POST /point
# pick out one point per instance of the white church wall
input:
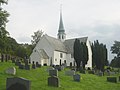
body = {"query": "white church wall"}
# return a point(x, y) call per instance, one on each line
point(35, 56)
point(43, 44)
point(59, 56)
point(89, 63)
point(70, 60)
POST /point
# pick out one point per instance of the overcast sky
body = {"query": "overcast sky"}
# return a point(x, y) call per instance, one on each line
point(97, 19)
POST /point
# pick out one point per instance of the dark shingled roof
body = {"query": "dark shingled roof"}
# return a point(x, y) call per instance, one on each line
point(56, 43)
point(66, 46)
point(70, 43)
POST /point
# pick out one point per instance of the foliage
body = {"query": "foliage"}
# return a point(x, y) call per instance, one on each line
point(115, 62)
point(85, 54)
point(8, 45)
point(39, 76)
point(3, 20)
point(80, 53)
point(77, 53)
point(116, 50)
point(36, 37)
point(99, 55)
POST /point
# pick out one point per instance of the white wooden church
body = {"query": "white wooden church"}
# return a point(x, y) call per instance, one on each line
point(58, 51)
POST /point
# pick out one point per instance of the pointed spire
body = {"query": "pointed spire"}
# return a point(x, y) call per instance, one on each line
point(61, 26)
point(61, 32)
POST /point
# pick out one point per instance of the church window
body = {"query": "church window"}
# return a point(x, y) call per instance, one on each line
point(65, 61)
point(55, 59)
point(61, 55)
point(62, 37)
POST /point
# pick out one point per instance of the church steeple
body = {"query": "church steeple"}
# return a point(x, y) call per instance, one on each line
point(61, 30)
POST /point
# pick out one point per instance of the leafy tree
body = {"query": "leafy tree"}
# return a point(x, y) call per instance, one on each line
point(36, 37)
point(3, 33)
point(3, 20)
point(116, 50)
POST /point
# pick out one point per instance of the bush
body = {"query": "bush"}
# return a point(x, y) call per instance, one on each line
point(112, 79)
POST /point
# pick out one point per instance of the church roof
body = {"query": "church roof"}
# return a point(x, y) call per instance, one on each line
point(70, 43)
point(42, 53)
point(56, 43)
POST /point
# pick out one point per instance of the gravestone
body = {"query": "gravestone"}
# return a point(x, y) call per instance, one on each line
point(53, 72)
point(76, 77)
point(111, 73)
point(50, 68)
point(33, 65)
point(100, 73)
point(74, 69)
point(59, 68)
point(113, 79)
point(26, 62)
point(11, 71)
point(38, 65)
point(27, 67)
point(13, 60)
point(53, 81)
point(70, 73)
point(17, 63)
point(17, 84)
point(21, 66)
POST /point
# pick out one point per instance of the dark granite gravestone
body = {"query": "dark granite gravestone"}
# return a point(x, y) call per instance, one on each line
point(53, 72)
point(59, 68)
point(17, 63)
point(13, 60)
point(113, 79)
point(33, 65)
point(17, 84)
point(76, 77)
point(53, 81)
point(27, 67)
point(38, 65)
point(26, 62)
point(21, 66)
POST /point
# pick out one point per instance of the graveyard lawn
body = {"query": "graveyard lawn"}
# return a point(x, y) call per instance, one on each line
point(39, 77)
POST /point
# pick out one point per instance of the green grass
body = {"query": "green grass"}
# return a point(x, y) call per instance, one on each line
point(39, 76)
